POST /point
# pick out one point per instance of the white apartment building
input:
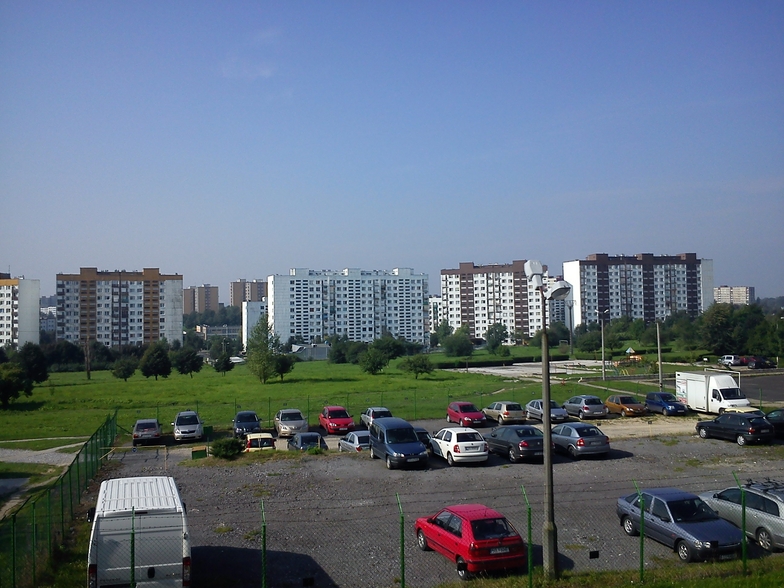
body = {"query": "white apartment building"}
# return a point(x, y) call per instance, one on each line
point(361, 304)
point(642, 286)
point(741, 295)
point(251, 313)
point(480, 296)
point(19, 311)
point(119, 307)
point(436, 312)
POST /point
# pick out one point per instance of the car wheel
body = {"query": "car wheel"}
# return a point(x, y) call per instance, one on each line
point(448, 419)
point(462, 569)
point(449, 459)
point(573, 452)
point(624, 413)
point(512, 456)
point(684, 551)
point(752, 365)
point(629, 528)
point(741, 440)
point(389, 463)
point(580, 415)
point(764, 539)
point(500, 421)
point(703, 432)
point(340, 448)
point(665, 412)
point(422, 541)
point(372, 454)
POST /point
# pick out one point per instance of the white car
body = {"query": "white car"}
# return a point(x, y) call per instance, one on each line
point(459, 445)
point(533, 410)
point(374, 412)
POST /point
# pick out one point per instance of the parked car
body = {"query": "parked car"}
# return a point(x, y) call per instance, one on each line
point(516, 442)
point(682, 521)
point(729, 360)
point(465, 414)
point(665, 403)
point(374, 412)
point(305, 441)
point(187, 426)
point(504, 412)
point(764, 511)
point(476, 538)
point(289, 421)
point(245, 421)
point(578, 439)
point(335, 419)
point(776, 419)
point(625, 405)
point(355, 442)
point(259, 442)
point(585, 406)
point(758, 362)
point(395, 441)
point(459, 445)
point(146, 431)
point(424, 436)
point(737, 427)
point(533, 410)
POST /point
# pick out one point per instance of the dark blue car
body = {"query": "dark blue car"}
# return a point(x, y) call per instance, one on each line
point(665, 403)
point(682, 521)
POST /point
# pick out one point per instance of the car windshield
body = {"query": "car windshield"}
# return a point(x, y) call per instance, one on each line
point(423, 436)
point(146, 425)
point(591, 401)
point(668, 398)
point(380, 414)
point(310, 439)
point(291, 416)
point(465, 437)
point(757, 421)
point(338, 414)
point(626, 400)
point(731, 393)
point(468, 408)
point(362, 436)
point(553, 404)
point(491, 529)
point(188, 419)
point(247, 417)
point(532, 432)
point(513, 407)
point(589, 432)
point(691, 510)
point(401, 436)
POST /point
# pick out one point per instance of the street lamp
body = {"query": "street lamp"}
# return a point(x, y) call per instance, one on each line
point(601, 319)
point(558, 290)
point(570, 304)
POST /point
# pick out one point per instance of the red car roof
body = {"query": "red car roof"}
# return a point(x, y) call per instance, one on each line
point(474, 512)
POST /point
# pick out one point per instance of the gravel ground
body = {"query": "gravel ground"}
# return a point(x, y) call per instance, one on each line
point(333, 520)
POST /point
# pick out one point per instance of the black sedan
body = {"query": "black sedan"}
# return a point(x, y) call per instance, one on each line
point(737, 427)
point(305, 441)
point(757, 362)
point(516, 442)
point(776, 418)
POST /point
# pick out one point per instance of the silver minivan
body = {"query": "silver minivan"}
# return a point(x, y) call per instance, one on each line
point(764, 511)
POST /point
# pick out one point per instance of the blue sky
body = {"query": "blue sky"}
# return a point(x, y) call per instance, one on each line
point(236, 140)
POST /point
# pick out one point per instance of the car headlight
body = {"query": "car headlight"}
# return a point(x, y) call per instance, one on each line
point(701, 544)
point(423, 454)
point(396, 454)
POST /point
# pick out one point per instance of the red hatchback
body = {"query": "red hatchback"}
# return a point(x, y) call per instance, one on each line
point(335, 419)
point(465, 414)
point(475, 537)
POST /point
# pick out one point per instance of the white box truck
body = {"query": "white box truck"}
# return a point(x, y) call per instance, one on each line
point(139, 535)
point(709, 391)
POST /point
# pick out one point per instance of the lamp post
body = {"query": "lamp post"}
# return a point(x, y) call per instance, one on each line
point(556, 291)
point(601, 319)
point(570, 304)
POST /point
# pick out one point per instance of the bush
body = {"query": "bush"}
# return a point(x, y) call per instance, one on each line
point(226, 448)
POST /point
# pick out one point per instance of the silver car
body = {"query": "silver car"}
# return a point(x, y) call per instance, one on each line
point(505, 412)
point(533, 410)
point(579, 439)
point(764, 511)
point(374, 412)
point(585, 406)
point(290, 421)
point(355, 442)
point(187, 425)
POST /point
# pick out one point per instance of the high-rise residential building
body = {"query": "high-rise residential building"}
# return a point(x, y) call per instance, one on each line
point(200, 299)
point(482, 295)
point(19, 313)
point(642, 286)
point(436, 312)
point(244, 291)
point(734, 295)
point(362, 304)
point(251, 313)
point(119, 307)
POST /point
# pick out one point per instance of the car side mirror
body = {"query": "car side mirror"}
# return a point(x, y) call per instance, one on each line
point(172, 424)
point(91, 515)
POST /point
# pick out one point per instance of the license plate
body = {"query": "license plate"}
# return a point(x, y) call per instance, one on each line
point(472, 449)
point(410, 459)
point(727, 556)
point(496, 550)
point(539, 453)
point(764, 430)
point(343, 428)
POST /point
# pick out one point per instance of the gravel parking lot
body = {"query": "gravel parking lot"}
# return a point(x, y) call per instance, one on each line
point(333, 520)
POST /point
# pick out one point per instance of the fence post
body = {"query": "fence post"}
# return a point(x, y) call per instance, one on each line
point(642, 532)
point(35, 540)
point(263, 547)
point(70, 492)
point(530, 556)
point(133, 547)
point(49, 520)
point(402, 544)
point(13, 550)
point(743, 541)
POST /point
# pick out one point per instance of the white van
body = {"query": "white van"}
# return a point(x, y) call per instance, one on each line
point(140, 520)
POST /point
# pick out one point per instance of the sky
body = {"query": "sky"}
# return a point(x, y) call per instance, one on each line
point(235, 140)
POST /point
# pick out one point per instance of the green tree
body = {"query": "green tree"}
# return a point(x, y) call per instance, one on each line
point(33, 363)
point(416, 364)
point(155, 361)
point(3, 356)
point(283, 364)
point(263, 345)
point(717, 329)
point(443, 330)
point(12, 383)
point(373, 361)
point(495, 336)
point(124, 368)
point(458, 345)
point(589, 342)
point(389, 346)
point(187, 361)
point(224, 364)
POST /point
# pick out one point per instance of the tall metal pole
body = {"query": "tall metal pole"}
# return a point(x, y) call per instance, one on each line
point(604, 373)
point(570, 304)
point(549, 530)
point(658, 345)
